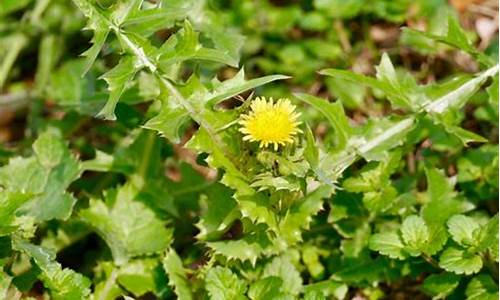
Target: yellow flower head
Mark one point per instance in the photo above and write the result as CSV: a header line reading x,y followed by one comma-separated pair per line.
x,y
270,123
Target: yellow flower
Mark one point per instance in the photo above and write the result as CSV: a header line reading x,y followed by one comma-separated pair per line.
x,y
270,123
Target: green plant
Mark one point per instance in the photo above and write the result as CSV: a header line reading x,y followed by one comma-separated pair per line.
x,y
175,202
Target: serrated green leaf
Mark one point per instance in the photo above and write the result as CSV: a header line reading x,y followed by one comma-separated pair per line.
x,y
415,234
177,275
482,287
441,206
442,199
117,78
251,246
389,244
168,122
411,95
282,267
266,288
459,261
148,21
327,288
129,227
455,37
63,284
334,112
300,214
439,286
10,202
220,212
46,176
462,229
465,136
402,92
256,208
121,11
487,236
101,30
137,276
185,46
222,284
374,182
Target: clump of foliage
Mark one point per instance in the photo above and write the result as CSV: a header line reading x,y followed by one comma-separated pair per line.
x,y
169,179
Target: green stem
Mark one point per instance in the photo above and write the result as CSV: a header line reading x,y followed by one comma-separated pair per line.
x,y
490,264
146,154
430,260
109,284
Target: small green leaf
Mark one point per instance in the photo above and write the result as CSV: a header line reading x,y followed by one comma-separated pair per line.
x,y
137,276
487,236
462,229
389,244
455,37
45,176
266,288
10,202
439,286
415,234
459,261
185,46
129,227
300,214
282,267
63,284
222,284
326,288
250,247
177,275
482,287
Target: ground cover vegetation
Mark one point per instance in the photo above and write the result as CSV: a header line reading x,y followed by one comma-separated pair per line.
x,y
323,149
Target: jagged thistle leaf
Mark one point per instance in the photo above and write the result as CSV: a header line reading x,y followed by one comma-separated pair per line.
x,y
117,78
177,275
64,284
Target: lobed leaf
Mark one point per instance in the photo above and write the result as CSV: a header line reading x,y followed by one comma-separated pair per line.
x,y
129,227
63,284
222,284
